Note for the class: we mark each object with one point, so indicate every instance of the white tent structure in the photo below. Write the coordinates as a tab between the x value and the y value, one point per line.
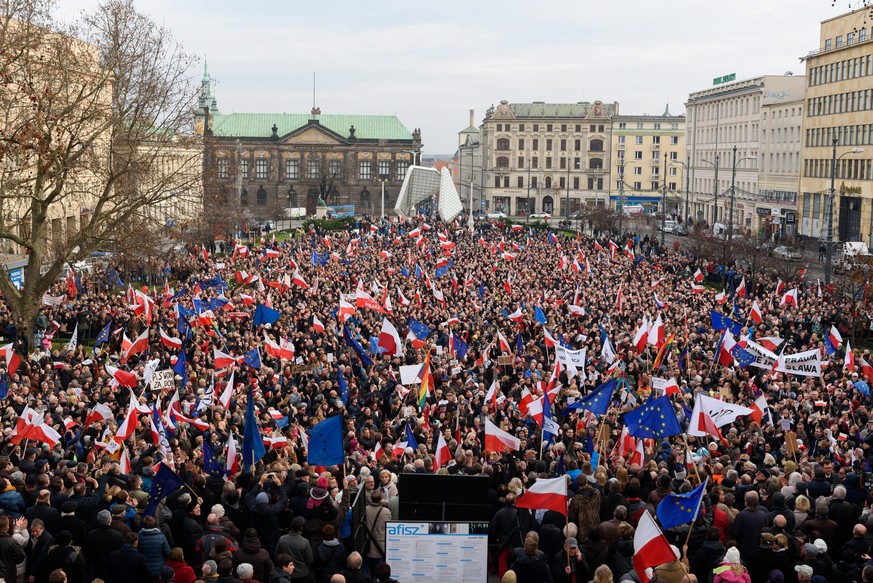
423	184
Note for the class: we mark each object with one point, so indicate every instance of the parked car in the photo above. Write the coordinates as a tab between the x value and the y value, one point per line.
788	253
680	230
541	216
497	215
667	226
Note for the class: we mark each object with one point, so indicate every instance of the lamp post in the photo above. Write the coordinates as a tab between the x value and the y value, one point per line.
664	205
472	179
687	183
829	239
567	191
382	179
733	189
621	194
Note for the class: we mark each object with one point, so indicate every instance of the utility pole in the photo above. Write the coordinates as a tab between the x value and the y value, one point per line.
715	195
829	244
621	196
664	204
567	192
733	191
687	185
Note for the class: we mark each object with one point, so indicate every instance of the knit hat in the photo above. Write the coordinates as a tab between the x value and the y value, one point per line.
245	571
262	498
209	568
821	546
804	570
104	517
318	493
732	556
680	472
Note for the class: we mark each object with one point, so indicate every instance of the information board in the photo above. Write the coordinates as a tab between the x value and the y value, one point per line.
438	551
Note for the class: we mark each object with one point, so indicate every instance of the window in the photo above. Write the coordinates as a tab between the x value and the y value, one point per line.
640	125
673	170
621	139
313	169
592	128
261	168
600	128
577	163
500	127
521	144
638	155
292	169
828	44
850	38
655	185
622	125
385	168
401	169
561	183
548	181
657	126
591	183
549	144
261	196
222	168
521	127
638	171
496	182
536	127
638	185
548	127
502	143
656	139
839	41
674	140
563	127
244	197
862	35
520	182
563	163
576	183
563	145
577	145
674	155
335	168
656	155
534	163
536	145
672	187
533	182
364	169
521	162
548	162
638	140
503	162
595	163
596	145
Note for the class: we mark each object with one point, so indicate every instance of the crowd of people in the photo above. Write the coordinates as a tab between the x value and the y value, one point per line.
787	496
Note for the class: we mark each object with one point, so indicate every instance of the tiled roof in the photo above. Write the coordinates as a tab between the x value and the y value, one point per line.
556	109
259	125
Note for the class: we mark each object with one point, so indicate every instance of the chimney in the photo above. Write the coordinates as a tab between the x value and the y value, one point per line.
472	118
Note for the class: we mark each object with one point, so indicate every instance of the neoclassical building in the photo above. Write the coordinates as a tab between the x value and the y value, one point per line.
258	164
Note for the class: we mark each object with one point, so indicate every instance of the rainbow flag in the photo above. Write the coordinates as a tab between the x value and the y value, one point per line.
663	352
426	381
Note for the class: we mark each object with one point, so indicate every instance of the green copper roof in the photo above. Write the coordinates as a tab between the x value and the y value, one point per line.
259	125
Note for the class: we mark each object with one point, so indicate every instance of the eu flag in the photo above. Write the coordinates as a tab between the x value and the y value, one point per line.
210	463
164	483
722	322
180	369
655	420
441	271
326	443
252	358
265	315
539	316
597	401
743	356
420	330
253	444
410	438
343	386
103	336
4	387
461	348
356	346
829	346
679	509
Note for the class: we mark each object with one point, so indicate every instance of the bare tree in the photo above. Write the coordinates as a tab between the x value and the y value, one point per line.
88	113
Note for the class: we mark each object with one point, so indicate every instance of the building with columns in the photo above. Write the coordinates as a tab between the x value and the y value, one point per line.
258	164
546	157
723	117
838	125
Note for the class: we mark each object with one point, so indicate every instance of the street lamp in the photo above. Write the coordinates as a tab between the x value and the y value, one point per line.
714	190
383	178
622	164
567	190
687	182
829	242
733	189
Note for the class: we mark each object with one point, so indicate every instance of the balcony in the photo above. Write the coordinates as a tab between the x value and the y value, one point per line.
656	147
621	147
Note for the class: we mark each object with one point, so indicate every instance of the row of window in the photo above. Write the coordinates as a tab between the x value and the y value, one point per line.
653	185
841	103
782	196
503	144
593	182
507	127
314	169
728	133
655	170
847	168
641	126
656	155
639	140
503	162
733	107
855	135
841	70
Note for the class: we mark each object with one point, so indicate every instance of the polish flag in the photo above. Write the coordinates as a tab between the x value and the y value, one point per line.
13	361
651	547
282	349
389	339
836	337
618	298
385	255
131	419
195	421
122	377
721	297
124	461
504	343
139	345
849	363
247	300
346	310
100	412
741	289
491	395
639	454
756	315
31	425
780	286
169	341
365	300
498	440
227	393
698	275
516	316
709	427
697	289
656	332
298	280
549	339
790	298
401	299
725	358
222	360
545	494
642	335
562	263
759	408
414	233
232	460
626	443
271	253
442	455
317	325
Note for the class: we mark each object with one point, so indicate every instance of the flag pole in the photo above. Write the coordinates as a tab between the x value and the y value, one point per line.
688	453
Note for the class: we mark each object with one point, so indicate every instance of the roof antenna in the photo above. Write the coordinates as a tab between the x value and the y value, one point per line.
315	110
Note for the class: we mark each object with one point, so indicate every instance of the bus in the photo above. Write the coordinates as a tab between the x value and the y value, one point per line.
339	211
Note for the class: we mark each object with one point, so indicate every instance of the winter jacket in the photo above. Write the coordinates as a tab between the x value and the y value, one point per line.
300	550
154	548
330	559
265	516
182	572
70	559
10	555
102	541
725	574
706	556
126	565
250	551
532	569
376	517
12	503
622	558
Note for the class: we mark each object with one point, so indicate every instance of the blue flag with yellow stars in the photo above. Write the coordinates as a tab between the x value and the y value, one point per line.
597	401
164	483
655	420
326	443
678	509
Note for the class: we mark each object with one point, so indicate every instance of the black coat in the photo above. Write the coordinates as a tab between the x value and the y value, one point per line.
45	513
127	565
75	527
69	559
10	555
102	542
36	553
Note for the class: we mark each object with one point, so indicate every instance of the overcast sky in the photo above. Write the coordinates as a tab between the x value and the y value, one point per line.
431	62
